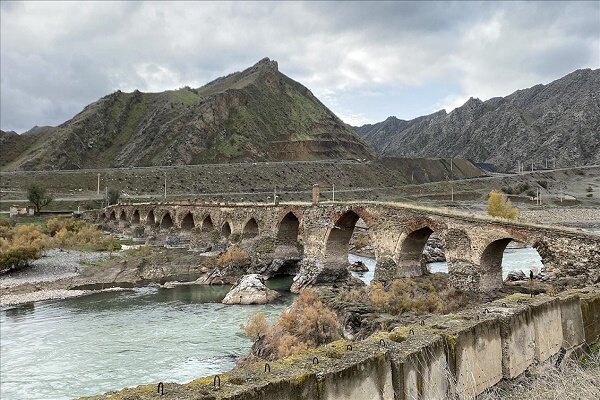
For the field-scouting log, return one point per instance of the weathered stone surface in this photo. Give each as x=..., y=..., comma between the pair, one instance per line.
x=250, y=289
x=320, y=236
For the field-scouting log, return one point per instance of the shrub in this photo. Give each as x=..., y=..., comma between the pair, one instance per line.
x=19, y=245
x=69, y=232
x=306, y=324
x=499, y=206
x=405, y=295
x=233, y=255
x=543, y=184
x=589, y=189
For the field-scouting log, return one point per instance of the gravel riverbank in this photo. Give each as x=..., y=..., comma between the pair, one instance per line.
x=54, y=265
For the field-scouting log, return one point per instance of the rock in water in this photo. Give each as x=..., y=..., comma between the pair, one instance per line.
x=250, y=289
x=358, y=266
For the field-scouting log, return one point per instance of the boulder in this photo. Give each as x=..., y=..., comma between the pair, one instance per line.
x=250, y=289
x=358, y=266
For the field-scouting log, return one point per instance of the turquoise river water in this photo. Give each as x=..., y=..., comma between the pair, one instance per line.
x=106, y=341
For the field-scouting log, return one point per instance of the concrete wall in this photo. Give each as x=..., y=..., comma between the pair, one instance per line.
x=458, y=355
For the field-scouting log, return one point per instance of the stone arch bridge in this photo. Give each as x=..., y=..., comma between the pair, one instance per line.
x=319, y=235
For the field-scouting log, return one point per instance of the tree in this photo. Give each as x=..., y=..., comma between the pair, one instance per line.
x=38, y=196
x=499, y=206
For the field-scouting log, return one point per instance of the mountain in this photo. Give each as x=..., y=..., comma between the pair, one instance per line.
x=560, y=120
x=258, y=114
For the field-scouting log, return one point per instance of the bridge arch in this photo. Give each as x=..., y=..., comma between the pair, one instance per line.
x=187, y=222
x=103, y=215
x=338, y=238
x=135, y=217
x=112, y=215
x=123, y=216
x=166, y=221
x=150, y=218
x=226, y=230
x=207, y=224
x=288, y=229
x=409, y=256
x=250, y=229
x=490, y=264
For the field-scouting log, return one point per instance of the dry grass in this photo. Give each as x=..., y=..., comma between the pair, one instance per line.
x=574, y=380
x=233, y=255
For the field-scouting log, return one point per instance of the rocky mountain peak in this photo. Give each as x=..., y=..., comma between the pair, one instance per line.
x=560, y=120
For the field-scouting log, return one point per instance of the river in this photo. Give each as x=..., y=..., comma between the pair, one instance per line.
x=105, y=341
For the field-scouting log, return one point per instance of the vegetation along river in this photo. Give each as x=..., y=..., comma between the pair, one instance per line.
x=106, y=341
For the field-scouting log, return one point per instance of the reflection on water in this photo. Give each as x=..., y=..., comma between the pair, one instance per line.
x=92, y=344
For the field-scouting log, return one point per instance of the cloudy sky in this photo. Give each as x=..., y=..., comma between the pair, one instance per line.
x=365, y=61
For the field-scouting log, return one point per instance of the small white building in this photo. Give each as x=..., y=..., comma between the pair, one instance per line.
x=16, y=211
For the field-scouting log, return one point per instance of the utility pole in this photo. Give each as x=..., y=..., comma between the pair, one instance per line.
x=165, y=185
x=546, y=163
x=98, y=192
x=412, y=176
x=451, y=174
x=531, y=166
x=452, y=192
x=333, y=195
x=554, y=164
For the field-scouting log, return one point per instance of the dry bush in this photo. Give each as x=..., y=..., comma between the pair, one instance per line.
x=257, y=326
x=356, y=295
x=306, y=324
x=453, y=300
x=68, y=232
x=405, y=295
x=233, y=255
x=19, y=245
x=499, y=206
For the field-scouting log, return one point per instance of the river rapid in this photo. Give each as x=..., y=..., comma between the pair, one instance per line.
x=105, y=341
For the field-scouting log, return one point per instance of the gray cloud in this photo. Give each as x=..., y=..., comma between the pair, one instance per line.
x=57, y=57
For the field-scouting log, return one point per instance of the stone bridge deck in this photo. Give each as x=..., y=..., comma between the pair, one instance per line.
x=320, y=235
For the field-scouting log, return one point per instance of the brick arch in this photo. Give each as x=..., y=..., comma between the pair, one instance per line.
x=408, y=254
x=112, y=215
x=207, y=224
x=339, y=234
x=251, y=228
x=150, y=218
x=187, y=222
x=135, y=217
x=226, y=229
x=492, y=254
x=166, y=221
x=288, y=229
x=490, y=264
